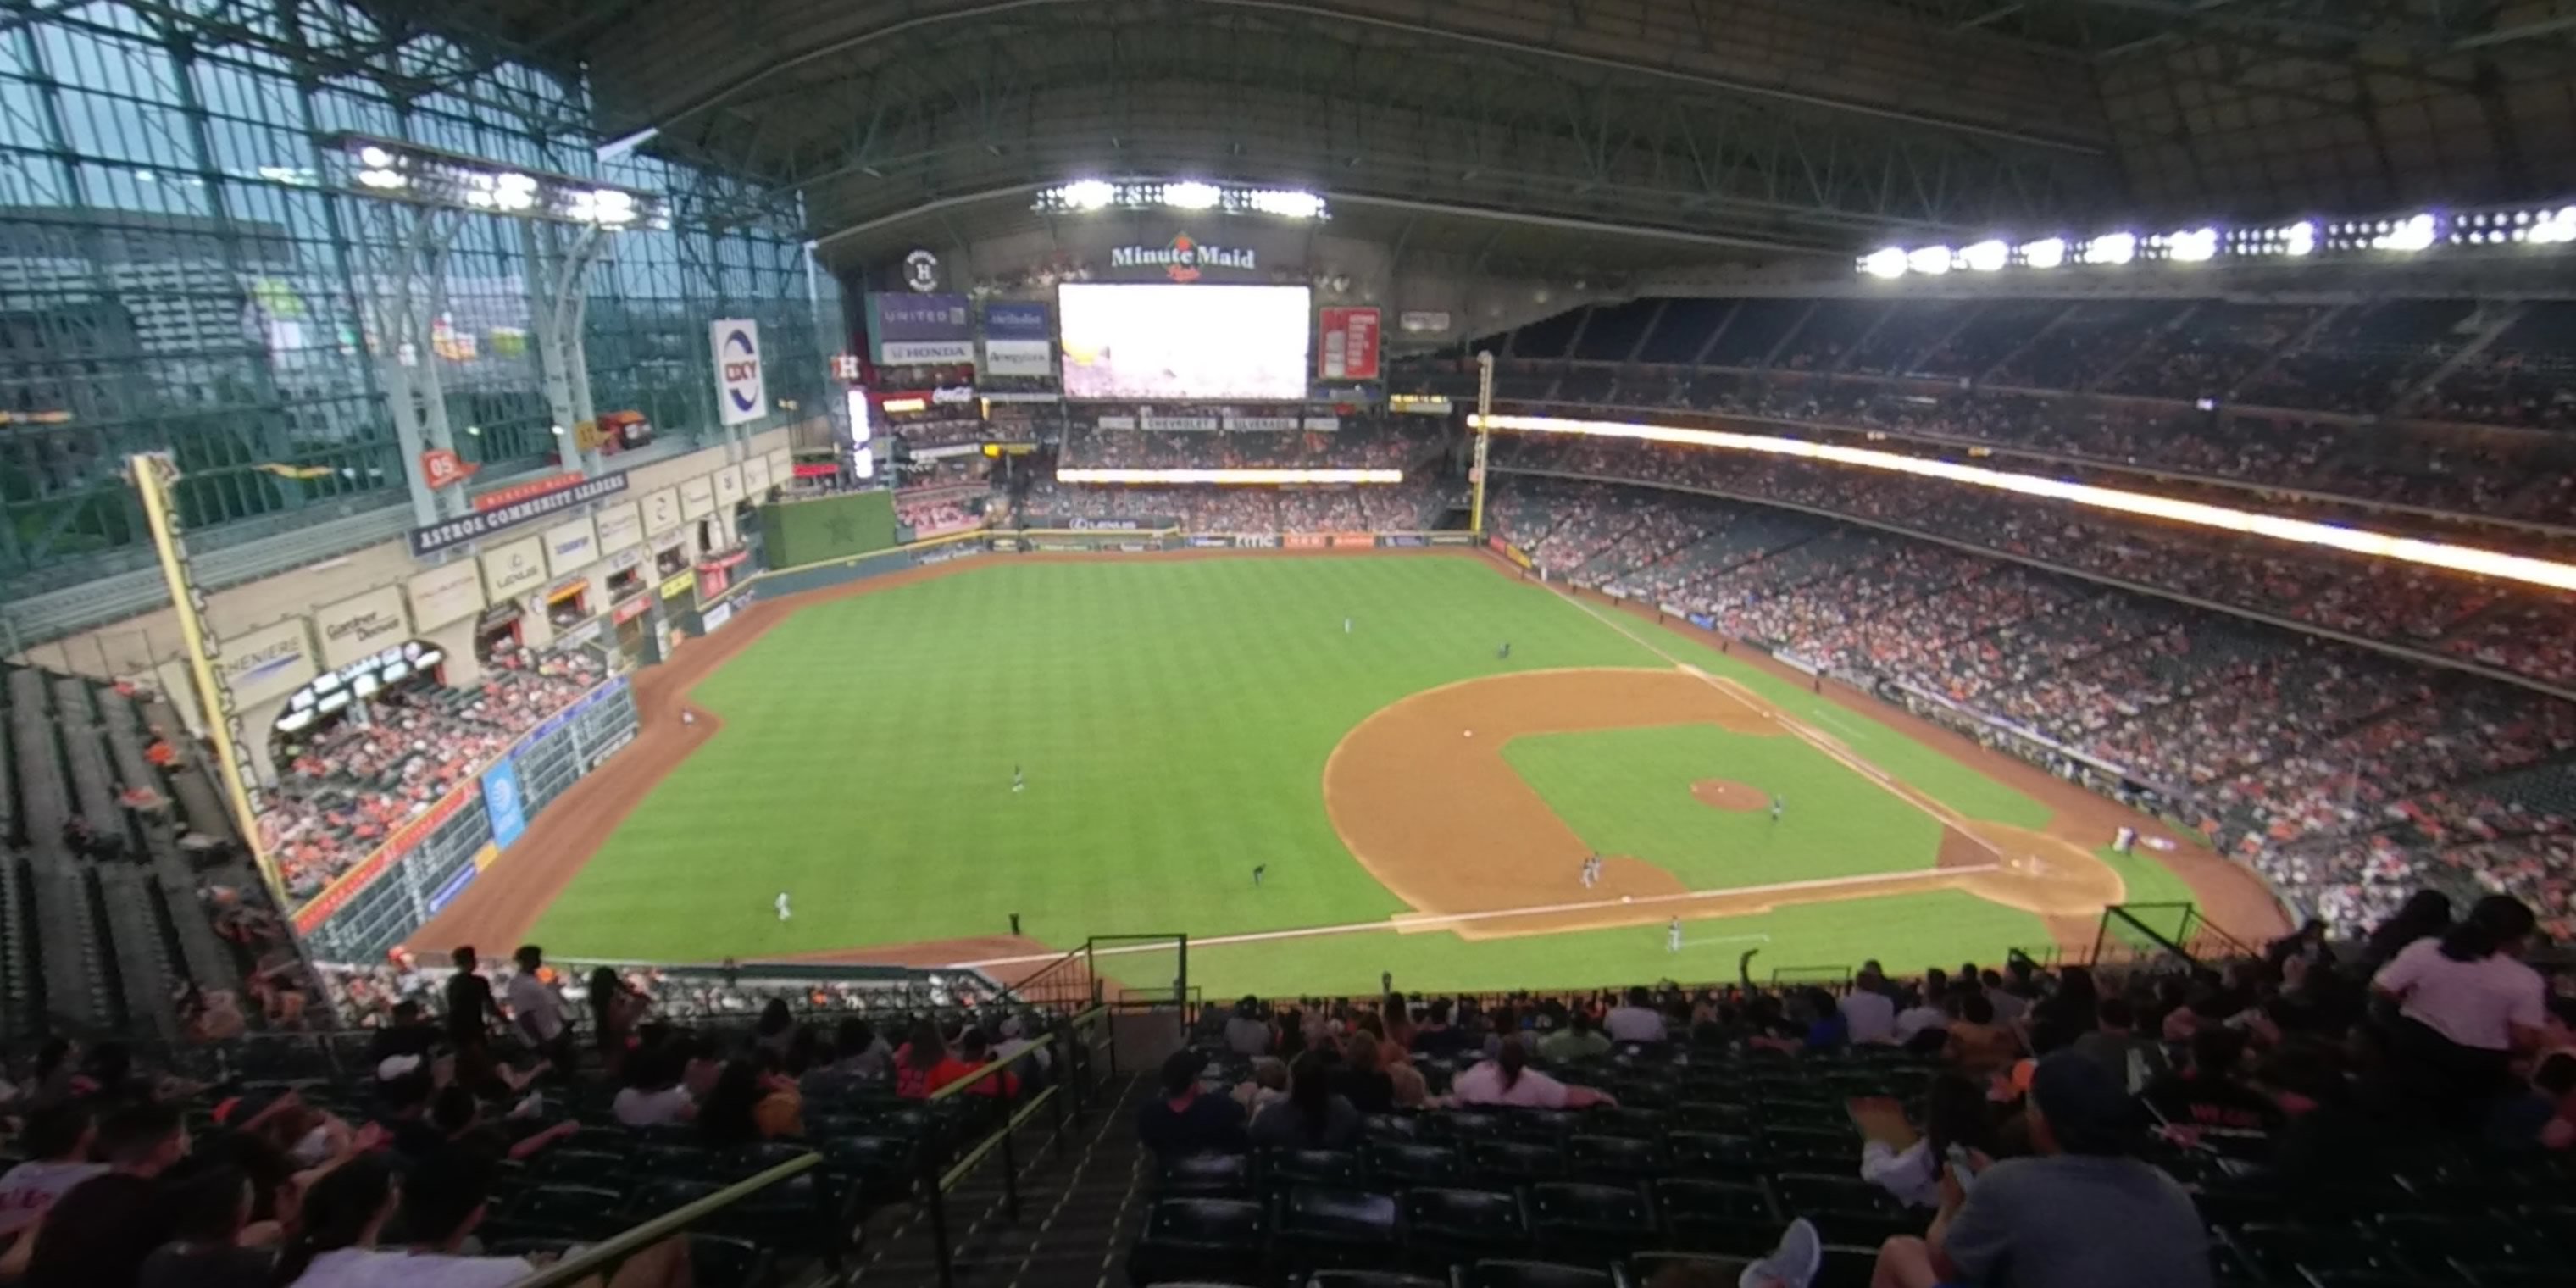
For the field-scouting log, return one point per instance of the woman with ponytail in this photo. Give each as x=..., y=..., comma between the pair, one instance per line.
x=1507, y=1079
x=2465, y=1005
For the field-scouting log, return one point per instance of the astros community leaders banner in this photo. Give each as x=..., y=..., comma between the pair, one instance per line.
x=483, y=523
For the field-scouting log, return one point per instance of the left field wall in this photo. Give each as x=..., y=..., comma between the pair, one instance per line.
x=149, y=647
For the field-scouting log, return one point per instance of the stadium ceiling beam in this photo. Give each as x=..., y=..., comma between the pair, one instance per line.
x=943, y=208
x=1297, y=8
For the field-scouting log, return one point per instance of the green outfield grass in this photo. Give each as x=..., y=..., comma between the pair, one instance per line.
x=1627, y=791
x=1173, y=719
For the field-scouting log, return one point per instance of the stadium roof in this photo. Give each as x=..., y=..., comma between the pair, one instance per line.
x=1587, y=131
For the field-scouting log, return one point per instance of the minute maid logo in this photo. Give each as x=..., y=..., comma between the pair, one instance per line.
x=1184, y=260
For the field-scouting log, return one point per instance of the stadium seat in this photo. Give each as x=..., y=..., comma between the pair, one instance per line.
x=569, y=1166
x=1214, y=1176
x=1444, y=1225
x=1716, y=1155
x=1845, y=1208
x=1627, y=1120
x=1401, y=1163
x=1575, y=1220
x=719, y=1262
x=1717, y=1216
x=1615, y=1159
x=563, y=1211
x=1223, y=1240
x=1509, y=1162
x=1319, y=1226
x=1640, y=1268
x=2293, y=1253
x=1371, y=1279
x=1285, y=1167
x=1393, y=1127
x=1500, y=1273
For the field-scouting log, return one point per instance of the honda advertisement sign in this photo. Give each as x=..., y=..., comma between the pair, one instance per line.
x=1349, y=348
x=741, y=396
x=911, y=330
x=1019, y=339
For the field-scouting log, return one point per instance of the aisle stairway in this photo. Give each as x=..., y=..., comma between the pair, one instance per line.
x=1080, y=1206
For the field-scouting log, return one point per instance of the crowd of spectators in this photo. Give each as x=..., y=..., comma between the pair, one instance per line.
x=1412, y=506
x=2293, y=752
x=2503, y=624
x=928, y=517
x=475, y=1087
x=1360, y=442
x=343, y=790
x=2114, y=1124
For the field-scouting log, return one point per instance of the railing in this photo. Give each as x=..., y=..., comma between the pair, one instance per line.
x=1074, y=1042
x=601, y=1258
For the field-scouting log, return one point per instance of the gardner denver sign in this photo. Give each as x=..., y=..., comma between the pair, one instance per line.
x=1184, y=260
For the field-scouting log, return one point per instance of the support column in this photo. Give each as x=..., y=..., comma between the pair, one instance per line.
x=556, y=305
x=411, y=268
x=1484, y=438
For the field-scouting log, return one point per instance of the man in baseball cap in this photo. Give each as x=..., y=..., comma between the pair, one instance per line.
x=2082, y=1214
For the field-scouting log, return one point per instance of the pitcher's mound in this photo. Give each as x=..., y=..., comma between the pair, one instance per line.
x=1721, y=793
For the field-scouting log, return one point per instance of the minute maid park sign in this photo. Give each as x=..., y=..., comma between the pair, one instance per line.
x=1183, y=260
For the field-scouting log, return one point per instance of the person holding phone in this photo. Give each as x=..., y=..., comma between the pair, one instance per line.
x=1907, y=1165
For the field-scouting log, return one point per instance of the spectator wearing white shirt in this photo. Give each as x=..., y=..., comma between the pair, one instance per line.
x=536, y=1009
x=60, y=1137
x=2466, y=1004
x=346, y=1212
x=1926, y=1013
x=1638, y=1021
x=1869, y=1016
x=1507, y=1079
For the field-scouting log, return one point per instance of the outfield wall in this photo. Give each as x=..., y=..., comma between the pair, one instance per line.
x=814, y=529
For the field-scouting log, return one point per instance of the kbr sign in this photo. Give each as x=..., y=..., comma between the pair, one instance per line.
x=740, y=394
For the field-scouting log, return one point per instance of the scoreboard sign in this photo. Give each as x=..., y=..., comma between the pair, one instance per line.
x=1349, y=348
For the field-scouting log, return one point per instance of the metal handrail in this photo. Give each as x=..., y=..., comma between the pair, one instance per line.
x=618, y=1248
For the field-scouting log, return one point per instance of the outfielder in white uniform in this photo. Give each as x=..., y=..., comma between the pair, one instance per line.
x=782, y=905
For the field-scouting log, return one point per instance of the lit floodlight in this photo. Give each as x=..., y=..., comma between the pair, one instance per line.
x=1986, y=256
x=1191, y=195
x=2407, y=236
x=1089, y=194
x=1885, y=262
x=2196, y=246
x=2557, y=228
x=2299, y=239
x=2047, y=252
x=382, y=179
x=1287, y=203
x=375, y=158
x=2110, y=249
x=1929, y=260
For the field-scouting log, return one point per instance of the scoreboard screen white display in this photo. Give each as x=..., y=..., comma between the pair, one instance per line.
x=1144, y=342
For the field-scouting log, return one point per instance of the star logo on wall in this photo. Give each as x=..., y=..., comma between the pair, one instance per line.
x=844, y=531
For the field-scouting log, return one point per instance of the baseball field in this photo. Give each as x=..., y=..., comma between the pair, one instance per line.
x=1320, y=768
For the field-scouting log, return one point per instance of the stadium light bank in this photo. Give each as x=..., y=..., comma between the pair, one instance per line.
x=2509, y=229
x=1238, y=477
x=2381, y=545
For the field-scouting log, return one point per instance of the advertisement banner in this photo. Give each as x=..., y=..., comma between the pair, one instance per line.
x=1349, y=348
x=571, y=546
x=1305, y=541
x=1211, y=543
x=1701, y=620
x=620, y=526
x=697, y=498
x=484, y=523
x=514, y=568
x=1401, y=540
x=755, y=477
x=1019, y=339
x=717, y=616
x=1323, y=424
x=445, y=594
x=678, y=584
x=908, y=330
x=1255, y=541
x=267, y=663
x=1453, y=538
x=1516, y=554
x=440, y=468
x=1423, y=322
x=446, y=894
x=728, y=486
x=515, y=493
x=1670, y=609
x=1164, y=424
x=661, y=510
x=504, y=802
x=360, y=625
x=742, y=395
x=1354, y=540
x=1263, y=424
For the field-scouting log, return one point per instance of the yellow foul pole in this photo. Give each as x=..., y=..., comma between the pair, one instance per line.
x=152, y=474
x=1484, y=415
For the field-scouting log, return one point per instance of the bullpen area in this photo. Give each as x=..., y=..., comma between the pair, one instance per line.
x=1319, y=767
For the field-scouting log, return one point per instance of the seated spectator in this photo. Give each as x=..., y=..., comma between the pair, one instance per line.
x=974, y=1051
x=2465, y=1005
x=1635, y=1021
x=2543, y=1117
x=1580, y=1039
x=2114, y=1043
x=408, y=1033
x=98, y=1232
x=1923, y=1013
x=1869, y=1014
x=456, y=1112
x=752, y=1101
x=210, y=1207
x=1435, y=1037
x=1267, y=1086
x=59, y=1137
x=859, y=1055
x=653, y=1096
x=1246, y=1033
x=1312, y=1116
x=1507, y=1079
x=1358, y=1079
x=1978, y=1045
x=2065, y=1014
x=2208, y=1092
x=1954, y=1113
x=914, y=1061
x=2083, y=1214
x=1184, y=1119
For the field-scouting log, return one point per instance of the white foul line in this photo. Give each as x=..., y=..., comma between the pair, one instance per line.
x=1422, y=920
